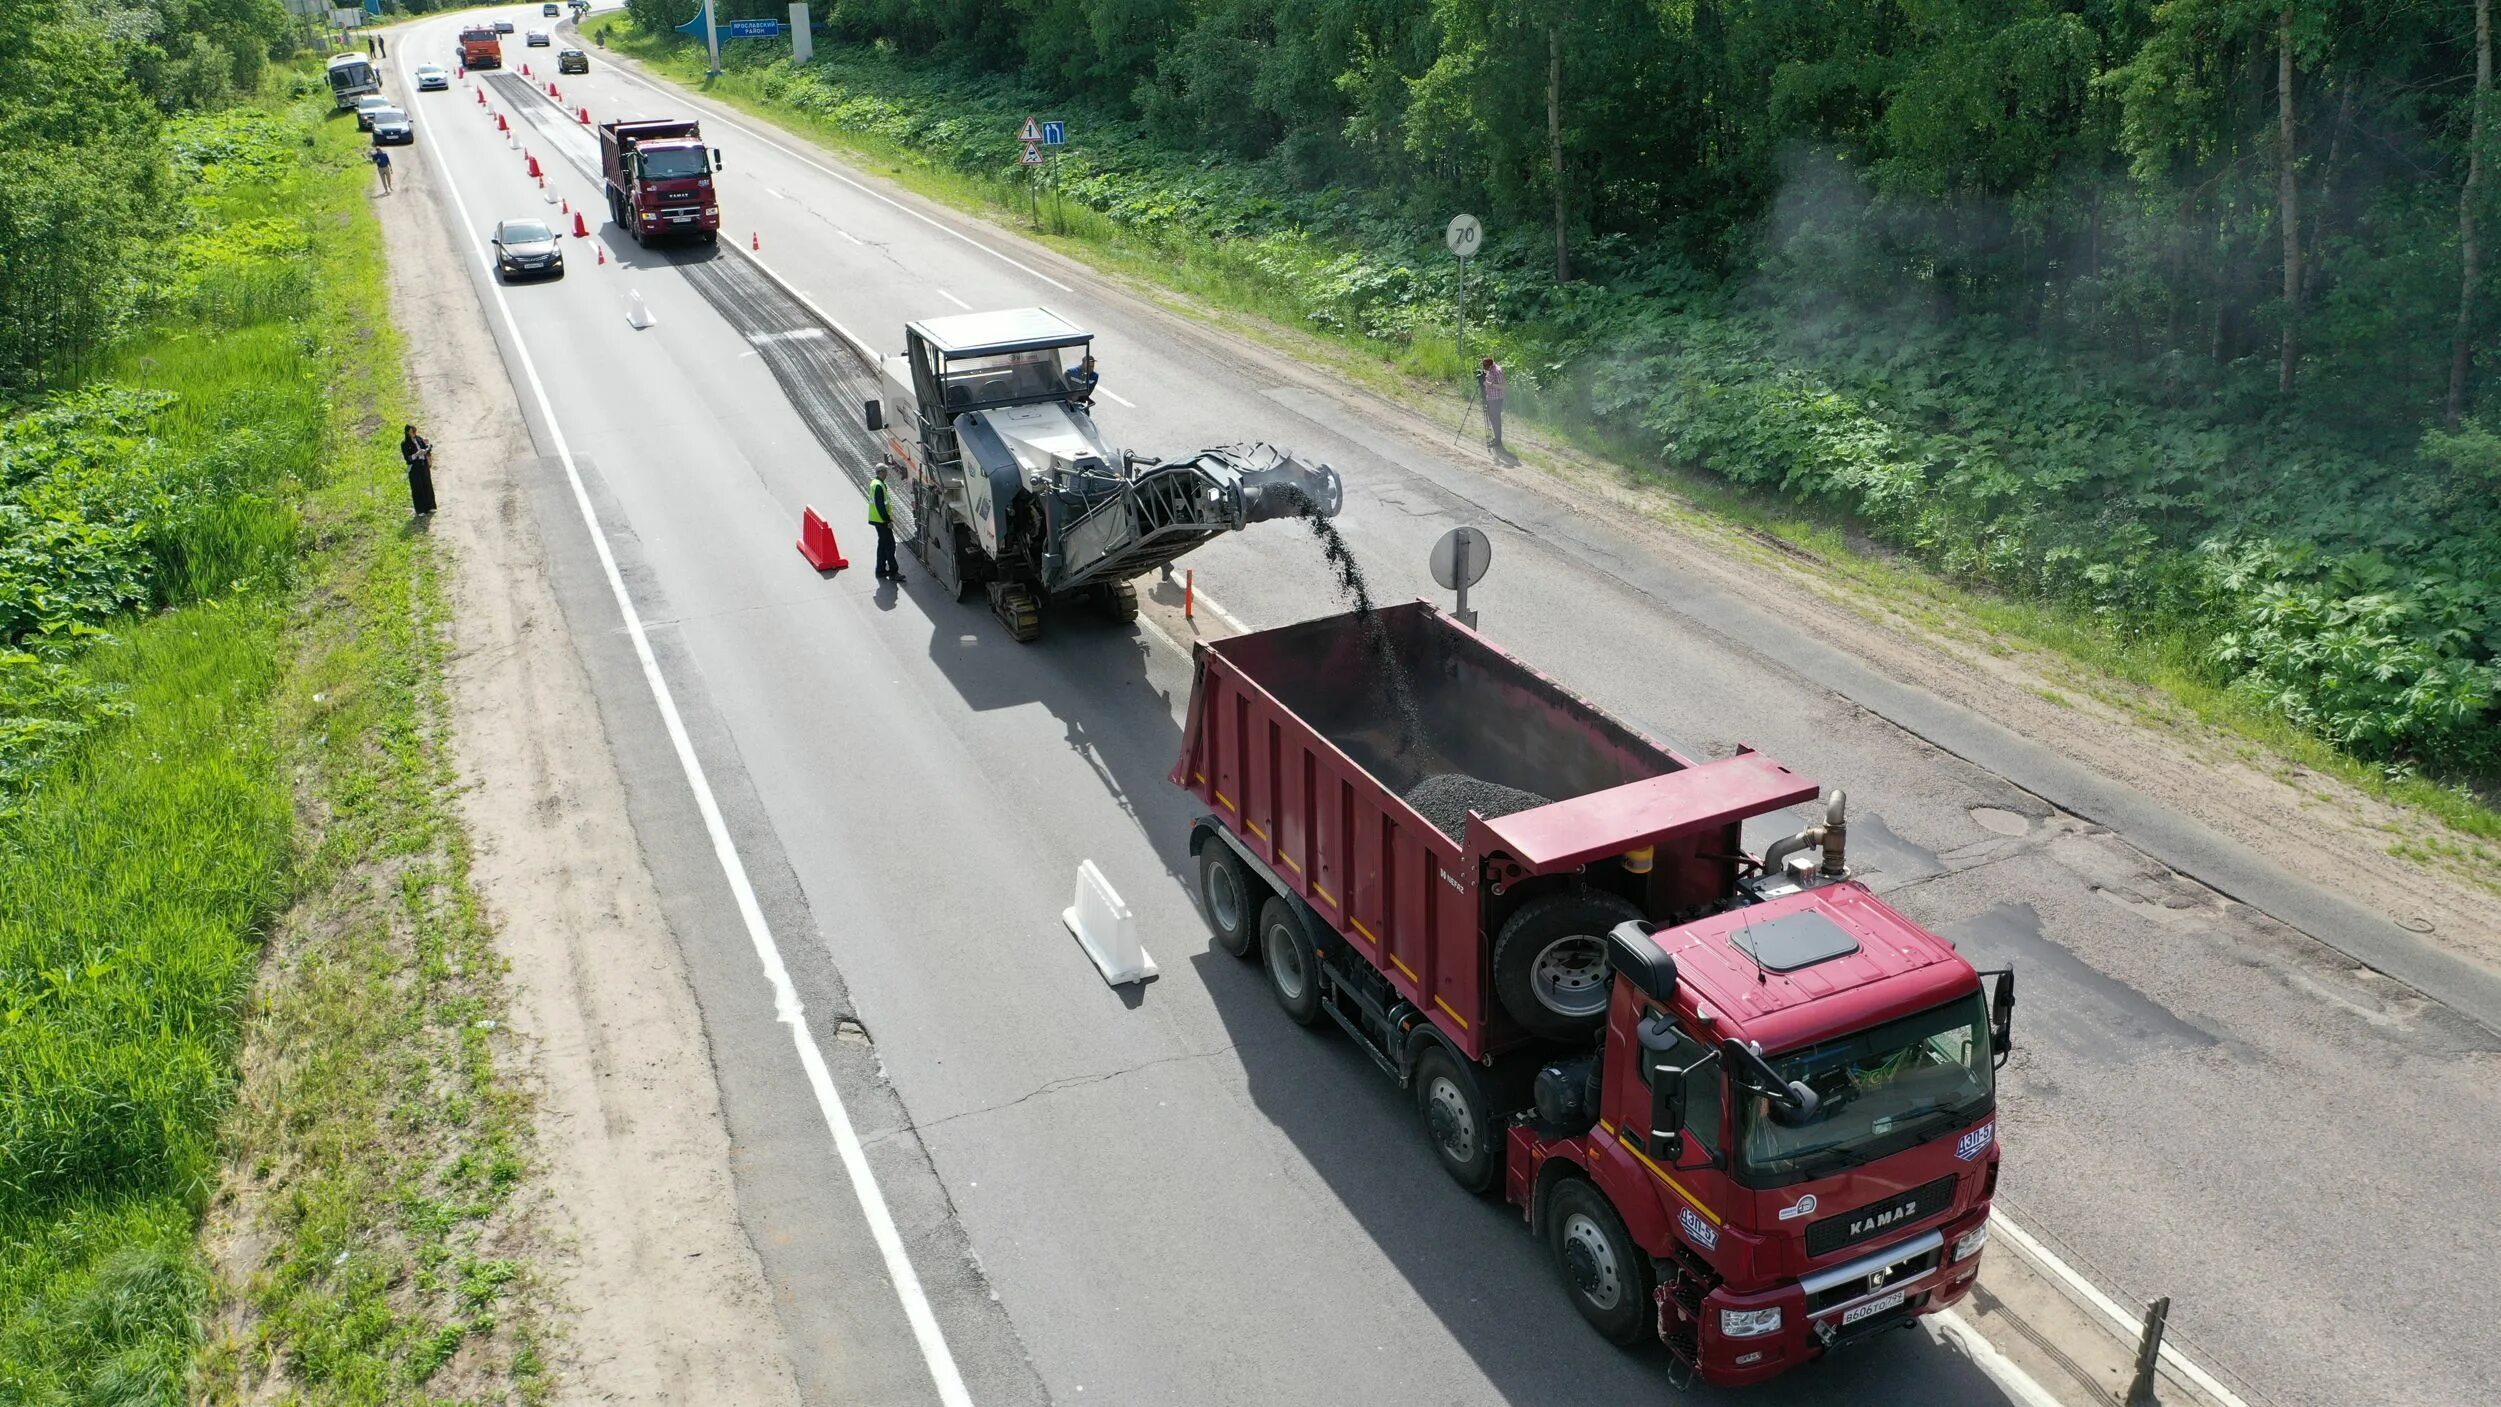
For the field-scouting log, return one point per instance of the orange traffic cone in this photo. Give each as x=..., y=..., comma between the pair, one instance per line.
x=461, y=72
x=525, y=70
x=533, y=165
x=586, y=117
x=816, y=543
x=551, y=89
x=501, y=125
x=582, y=231
x=755, y=241
x=481, y=97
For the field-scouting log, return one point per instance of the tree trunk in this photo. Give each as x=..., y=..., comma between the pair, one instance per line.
x=2461, y=349
x=1554, y=148
x=2287, y=199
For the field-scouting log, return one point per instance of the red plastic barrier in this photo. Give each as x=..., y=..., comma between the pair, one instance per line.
x=816, y=543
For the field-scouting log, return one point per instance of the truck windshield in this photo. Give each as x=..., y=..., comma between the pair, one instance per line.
x=674, y=163
x=1882, y=1090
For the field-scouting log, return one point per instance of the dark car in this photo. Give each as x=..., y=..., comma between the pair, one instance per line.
x=366, y=107
x=572, y=61
x=391, y=128
x=527, y=247
x=536, y=39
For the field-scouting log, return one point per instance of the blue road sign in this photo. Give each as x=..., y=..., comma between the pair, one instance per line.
x=1054, y=134
x=695, y=25
x=752, y=29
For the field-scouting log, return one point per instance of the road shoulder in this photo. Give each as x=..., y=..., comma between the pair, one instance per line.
x=632, y=1202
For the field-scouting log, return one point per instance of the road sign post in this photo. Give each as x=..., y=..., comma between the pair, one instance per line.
x=712, y=36
x=802, y=41
x=1459, y=561
x=1464, y=236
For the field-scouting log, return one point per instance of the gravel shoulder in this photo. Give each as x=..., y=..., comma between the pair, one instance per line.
x=637, y=1230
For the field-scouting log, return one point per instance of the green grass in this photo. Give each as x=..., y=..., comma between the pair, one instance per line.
x=1268, y=288
x=243, y=983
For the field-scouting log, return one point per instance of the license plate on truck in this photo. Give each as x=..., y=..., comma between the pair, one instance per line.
x=1873, y=1308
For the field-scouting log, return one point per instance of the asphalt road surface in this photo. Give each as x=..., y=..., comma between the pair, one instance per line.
x=1173, y=1194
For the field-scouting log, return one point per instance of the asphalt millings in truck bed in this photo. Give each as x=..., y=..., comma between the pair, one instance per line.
x=1447, y=799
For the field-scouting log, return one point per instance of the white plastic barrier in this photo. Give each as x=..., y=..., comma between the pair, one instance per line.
x=636, y=314
x=1106, y=929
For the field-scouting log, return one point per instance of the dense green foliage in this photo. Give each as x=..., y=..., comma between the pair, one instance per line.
x=2003, y=282
x=86, y=199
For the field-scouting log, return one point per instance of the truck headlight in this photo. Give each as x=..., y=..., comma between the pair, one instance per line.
x=1749, y=1323
x=1969, y=1243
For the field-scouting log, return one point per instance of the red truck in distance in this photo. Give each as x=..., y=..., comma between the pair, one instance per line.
x=659, y=179
x=481, y=47
x=1749, y=1107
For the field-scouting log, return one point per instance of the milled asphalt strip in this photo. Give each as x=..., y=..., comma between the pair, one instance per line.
x=943, y=1371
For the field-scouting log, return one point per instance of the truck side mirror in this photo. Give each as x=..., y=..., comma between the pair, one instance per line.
x=717, y=163
x=874, y=414
x=2002, y=1018
x=1667, y=1111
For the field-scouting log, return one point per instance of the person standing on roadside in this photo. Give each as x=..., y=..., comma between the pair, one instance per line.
x=418, y=452
x=382, y=163
x=1491, y=389
x=382, y=46
x=881, y=517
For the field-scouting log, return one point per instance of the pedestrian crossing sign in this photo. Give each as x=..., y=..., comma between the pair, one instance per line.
x=1032, y=132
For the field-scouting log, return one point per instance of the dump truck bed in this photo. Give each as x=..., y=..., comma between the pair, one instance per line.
x=1308, y=742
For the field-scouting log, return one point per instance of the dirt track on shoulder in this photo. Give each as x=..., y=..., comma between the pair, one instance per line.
x=633, y=1213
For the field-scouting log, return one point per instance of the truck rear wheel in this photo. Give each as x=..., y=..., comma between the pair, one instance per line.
x=1605, y=1274
x=1232, y=898
x=1293, y=964
x=1550, y=962
x=1456, y=1120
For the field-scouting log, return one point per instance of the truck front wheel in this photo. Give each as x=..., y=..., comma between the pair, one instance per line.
x=1293, y=966
x=1456, y=1121
x=1550, y=962
x=1231, y=896
x=1606, y=1275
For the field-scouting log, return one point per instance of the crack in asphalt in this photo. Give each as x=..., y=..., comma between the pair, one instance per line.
x=1065, y=1082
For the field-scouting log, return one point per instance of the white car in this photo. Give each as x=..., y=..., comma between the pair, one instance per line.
x=536, y=39
x=432, y=78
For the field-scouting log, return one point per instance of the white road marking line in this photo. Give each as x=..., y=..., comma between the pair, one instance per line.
x=1221, y=613
x=1115, y=395
x=796, y=334
x=822, y=168
x=2021, y=1387
x=786, y=1005
x=846, y=234
x=777, y=195
x=955, y=300
x=2130, y=1327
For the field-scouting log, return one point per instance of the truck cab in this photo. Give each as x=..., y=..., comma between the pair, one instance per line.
x=1795, y=1125
x=658, y=175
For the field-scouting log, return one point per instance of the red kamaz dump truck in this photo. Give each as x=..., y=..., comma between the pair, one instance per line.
x=1749, y=1107
x=659, y=178
x=481, y=47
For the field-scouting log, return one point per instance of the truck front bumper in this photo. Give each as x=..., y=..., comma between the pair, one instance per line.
x=1830, y=1310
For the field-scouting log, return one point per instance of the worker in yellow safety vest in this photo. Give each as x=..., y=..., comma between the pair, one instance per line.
x=881, y=517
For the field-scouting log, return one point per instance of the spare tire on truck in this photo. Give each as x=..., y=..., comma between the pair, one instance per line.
x=1550, y=961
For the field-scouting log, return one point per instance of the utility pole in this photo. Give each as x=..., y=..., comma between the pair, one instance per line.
x=1554, y=146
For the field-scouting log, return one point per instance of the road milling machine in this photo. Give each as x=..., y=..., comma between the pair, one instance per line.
x=1003, y=481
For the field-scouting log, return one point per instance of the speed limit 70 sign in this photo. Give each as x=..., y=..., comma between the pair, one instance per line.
x=1464, y=236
